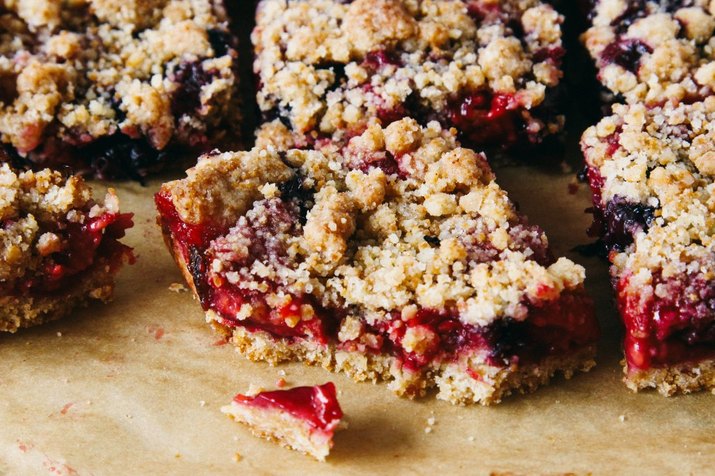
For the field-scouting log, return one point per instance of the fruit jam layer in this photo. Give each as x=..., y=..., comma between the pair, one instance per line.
x=115, y=157
x=555, y=327
x=675, y=329
x=318, y=406
x=617, y=221
x=87, y=245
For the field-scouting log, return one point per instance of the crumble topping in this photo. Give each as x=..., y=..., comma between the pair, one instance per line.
x=399, y=218
x=653, y=52
x=150, y=74
x=661, y=158
x=327, y=67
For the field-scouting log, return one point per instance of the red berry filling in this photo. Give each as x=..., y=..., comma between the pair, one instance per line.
x=95, y=242
x=674, y=329
x=318, y=405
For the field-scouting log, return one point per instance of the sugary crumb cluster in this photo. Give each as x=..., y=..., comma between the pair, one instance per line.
x=327, y=67
x=654, y=51
x=108, y=86
x=399, y=219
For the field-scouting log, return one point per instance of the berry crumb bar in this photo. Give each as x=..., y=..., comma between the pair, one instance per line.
x=651, y=171
x=109, y=87
x=301, y=418
x=654, y=51
x=327, y=67
x=58, y=247
x=395, y=256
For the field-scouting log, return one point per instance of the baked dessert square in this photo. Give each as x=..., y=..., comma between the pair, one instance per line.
x=326, y=68
x=653, y=51
x=393, y=257
x=112, y=88
x=301, y=418
x=58, y=247
x=651, y=171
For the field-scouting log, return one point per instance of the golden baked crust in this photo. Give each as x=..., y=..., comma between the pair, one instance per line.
x=347, y=248
x=328, y=67
x=682, y=378
x=121, y=81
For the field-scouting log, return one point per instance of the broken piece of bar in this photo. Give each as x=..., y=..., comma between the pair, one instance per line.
x=326, y=68
x=653, y=51
x=301, y=418
x=395, y=256
x=58, y=247
x=108, y=88
x=651, y=171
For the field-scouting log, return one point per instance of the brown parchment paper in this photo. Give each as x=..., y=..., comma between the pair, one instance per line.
x=135, y=387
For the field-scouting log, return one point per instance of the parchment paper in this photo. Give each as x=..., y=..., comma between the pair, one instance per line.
x=135, y=387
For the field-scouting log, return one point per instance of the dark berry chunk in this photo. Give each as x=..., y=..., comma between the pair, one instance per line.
x=190, y=78
x=626, y=54
x=623, y=219
x=120, y=156
x=375, y=60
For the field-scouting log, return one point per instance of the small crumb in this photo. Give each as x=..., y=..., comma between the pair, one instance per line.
x=237, y=457
x=66, y=380
x=202, y=403
x=128, y=416
x=254, y=389
x=235, y=438
x=431, y=421
x=282, y=373
x=428, y=430
x=177, y=288
x=470, y=439
x=621, y=418
x=89, y=402
x=177, y=455
x=281, y=383
x=59, y=334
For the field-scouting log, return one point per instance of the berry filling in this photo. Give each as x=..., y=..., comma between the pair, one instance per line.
x=676, y=328
x=626, y=54
x=85, y=246
x=318, y=406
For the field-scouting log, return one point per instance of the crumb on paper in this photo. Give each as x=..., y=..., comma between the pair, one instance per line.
x=428, y=430
x=177, y=288
x=235, y=438
x=431, y=421
x=156, y=330
x=622, y=418
x=59, y=334
x=202, y=403
x=177, y=455
x=237, y=457
x=470, y=439
x=281, y=383
x=66, y=408
x=282, y=373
